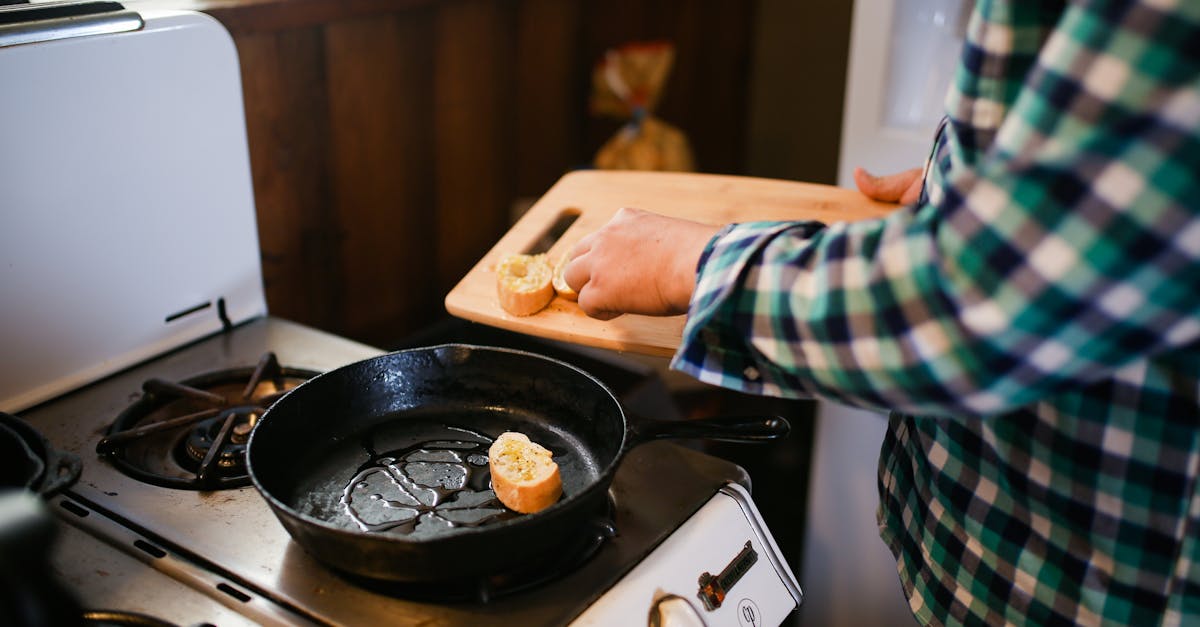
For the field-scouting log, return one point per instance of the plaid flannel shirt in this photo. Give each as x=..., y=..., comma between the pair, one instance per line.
x=1035, y=317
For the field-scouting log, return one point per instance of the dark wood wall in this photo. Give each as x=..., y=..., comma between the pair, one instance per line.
x=390, y=139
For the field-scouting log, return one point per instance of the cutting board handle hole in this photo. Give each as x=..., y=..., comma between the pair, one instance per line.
x=550, y=236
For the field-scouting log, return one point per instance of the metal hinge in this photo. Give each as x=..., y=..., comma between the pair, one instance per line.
x=47, y=21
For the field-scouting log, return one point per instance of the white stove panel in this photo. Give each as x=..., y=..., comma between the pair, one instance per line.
x=127, y=202
x=764, y=594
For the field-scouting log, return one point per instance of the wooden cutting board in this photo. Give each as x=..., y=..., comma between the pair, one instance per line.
x=591, y=197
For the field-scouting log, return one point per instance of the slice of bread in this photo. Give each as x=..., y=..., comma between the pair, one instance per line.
x=560, y=283
x=524, y=284
x=524, y=476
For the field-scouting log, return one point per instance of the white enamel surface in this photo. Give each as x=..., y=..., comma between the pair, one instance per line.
x=111, y=219
x=707, y=542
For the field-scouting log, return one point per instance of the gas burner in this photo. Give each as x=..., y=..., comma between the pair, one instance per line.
x=192, y=434
x=533, y=572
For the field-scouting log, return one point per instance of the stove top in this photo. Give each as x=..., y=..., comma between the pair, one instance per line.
x=227, y=544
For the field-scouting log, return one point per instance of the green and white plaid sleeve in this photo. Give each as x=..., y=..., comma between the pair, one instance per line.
x=1064, y=250
x=1036, y=315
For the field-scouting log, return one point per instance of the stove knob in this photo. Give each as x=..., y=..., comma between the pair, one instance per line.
x=674, y=611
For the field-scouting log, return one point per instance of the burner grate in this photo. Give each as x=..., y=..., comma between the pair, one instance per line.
x=192, y=434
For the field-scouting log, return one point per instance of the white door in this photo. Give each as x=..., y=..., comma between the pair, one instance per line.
x=902, y=57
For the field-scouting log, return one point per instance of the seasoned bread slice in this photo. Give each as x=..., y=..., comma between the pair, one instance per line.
x=524, y=284
x=524, y=476
x=560, y=282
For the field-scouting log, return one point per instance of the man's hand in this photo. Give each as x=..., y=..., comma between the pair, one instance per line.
x=639, y=262
x=902, y=187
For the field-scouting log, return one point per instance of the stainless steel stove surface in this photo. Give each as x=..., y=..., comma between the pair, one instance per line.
x=228, y=545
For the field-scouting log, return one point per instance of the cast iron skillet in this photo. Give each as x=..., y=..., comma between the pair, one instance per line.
x=370, y=437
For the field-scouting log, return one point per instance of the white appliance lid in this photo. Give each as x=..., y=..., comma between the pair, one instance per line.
x=127, y=223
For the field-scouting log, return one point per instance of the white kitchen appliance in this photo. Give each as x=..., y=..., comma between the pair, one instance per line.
x=132, y=291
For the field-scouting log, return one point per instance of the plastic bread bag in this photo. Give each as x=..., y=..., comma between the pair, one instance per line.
x=627, y=84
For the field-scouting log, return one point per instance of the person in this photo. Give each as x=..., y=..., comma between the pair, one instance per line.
x=1031, y=317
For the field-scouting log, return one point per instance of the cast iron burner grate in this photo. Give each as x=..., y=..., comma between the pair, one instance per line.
x=538, y=570
x=192, y=434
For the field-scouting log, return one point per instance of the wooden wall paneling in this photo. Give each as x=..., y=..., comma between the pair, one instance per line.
x=797, y=89
x=551, y=98
x=274, y=14
x=283, y=85
x=473, y=136
x=706, y=93
x=379, y=70
x=245, y=16
x=607, y=24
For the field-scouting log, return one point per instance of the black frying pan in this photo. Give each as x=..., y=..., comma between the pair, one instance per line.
x=379, y=468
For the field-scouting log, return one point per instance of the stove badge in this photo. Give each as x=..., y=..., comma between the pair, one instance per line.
x=748, y=614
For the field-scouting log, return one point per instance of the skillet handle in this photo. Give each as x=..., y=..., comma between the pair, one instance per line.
x=748, y=429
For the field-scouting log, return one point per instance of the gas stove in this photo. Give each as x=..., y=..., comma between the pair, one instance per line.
x=143, y=348
x=227, y=545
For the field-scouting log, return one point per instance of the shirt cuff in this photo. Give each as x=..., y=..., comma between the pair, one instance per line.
x=715, y=347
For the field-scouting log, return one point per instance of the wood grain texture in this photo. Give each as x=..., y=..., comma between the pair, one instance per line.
x=705, y=95
x=258, y=16
x=380, y=172
x=550, y=93
x=472, y=106
x=596, y=196
x=287, y=129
